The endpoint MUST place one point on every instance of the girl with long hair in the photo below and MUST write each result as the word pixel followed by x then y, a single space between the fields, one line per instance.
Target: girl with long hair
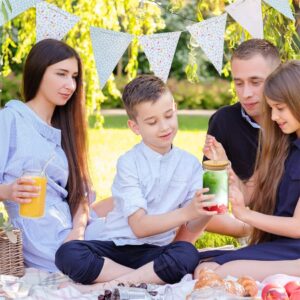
pixel 50 123
pixel 274 211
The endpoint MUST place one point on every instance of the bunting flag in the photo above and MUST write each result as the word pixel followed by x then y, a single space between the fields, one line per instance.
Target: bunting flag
pixel 249 15
pixel 159 49
pixel 108 46
pixel 18 6
pixel 52 22
pixel 282 6
pixel 209 34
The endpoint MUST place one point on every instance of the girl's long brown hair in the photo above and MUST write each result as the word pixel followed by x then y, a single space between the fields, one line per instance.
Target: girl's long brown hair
pixel 70 118
pixel 283 85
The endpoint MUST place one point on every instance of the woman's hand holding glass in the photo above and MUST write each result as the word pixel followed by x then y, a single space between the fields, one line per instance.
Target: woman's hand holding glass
pixel 22 190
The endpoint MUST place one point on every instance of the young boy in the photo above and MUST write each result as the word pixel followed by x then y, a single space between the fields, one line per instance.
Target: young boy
pixel 157 188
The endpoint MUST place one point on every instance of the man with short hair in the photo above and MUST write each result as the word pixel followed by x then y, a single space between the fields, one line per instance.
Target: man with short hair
pixel 234 129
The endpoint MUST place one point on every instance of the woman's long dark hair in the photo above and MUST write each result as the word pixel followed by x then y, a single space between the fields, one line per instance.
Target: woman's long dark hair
pixel 282 86
pixel 70 118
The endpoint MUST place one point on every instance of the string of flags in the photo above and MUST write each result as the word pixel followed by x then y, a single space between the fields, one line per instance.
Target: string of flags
pixel 53 22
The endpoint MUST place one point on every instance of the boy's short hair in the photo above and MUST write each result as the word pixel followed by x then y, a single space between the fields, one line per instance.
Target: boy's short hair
pixel 142 89
pixel 252 47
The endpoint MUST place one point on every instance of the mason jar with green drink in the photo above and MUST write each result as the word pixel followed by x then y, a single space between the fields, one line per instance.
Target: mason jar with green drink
pixel 215 177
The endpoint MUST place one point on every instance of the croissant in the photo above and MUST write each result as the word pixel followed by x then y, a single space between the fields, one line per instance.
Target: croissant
pixel 244 286
pixel 208 277
pixel 249 286
pixel 233 287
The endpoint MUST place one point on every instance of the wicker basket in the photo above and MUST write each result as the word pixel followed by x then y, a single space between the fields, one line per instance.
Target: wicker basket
pixel 11 255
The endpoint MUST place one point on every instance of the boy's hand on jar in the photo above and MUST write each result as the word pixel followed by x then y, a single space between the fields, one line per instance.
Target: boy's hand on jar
pixel 213 149
pixel 22 190
pixel 200 202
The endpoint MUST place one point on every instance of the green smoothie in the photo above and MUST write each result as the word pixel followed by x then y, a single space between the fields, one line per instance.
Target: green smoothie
pixel 215 178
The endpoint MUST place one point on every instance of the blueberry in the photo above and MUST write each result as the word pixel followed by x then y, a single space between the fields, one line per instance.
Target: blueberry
pixel 143 286
pixel 153 293
pixel 115 295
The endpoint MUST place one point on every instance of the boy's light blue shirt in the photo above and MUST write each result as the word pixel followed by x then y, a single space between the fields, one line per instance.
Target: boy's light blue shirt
pixel 151 181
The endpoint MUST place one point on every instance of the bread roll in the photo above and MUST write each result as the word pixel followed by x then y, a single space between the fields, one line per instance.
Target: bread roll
pixel 249 284
pixel 244 286
pixel 208 277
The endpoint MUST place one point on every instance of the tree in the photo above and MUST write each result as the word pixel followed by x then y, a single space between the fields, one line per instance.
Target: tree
pixel 118 15
pixel 137 18
pixel 5 8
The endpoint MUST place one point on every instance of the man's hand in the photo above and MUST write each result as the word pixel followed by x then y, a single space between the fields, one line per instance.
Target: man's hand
pixel 213 149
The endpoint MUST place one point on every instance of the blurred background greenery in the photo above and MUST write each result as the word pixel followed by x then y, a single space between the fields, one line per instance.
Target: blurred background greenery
pixel 193 80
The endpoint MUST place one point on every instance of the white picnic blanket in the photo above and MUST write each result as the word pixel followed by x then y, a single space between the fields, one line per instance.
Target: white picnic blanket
pixel 41 285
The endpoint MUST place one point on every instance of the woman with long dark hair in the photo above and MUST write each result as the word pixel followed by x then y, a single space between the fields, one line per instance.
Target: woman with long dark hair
pixel 50 123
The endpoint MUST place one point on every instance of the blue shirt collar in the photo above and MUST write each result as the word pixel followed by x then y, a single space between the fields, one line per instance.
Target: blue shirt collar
pixel 248 119
pixel 49 132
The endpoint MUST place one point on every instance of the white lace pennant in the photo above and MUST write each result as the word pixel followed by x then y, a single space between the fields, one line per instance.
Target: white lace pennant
pixel 108 46
pixel 159 49
pixel 282 6
pixel 18 6
pixel 249 15
pixel 53 22
pixel 209 34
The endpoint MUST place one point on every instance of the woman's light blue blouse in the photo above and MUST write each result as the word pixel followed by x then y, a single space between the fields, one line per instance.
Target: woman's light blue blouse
pixel 27 142
pixel 151 181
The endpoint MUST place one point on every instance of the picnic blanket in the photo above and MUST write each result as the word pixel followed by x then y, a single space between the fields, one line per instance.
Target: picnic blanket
pixel 41 285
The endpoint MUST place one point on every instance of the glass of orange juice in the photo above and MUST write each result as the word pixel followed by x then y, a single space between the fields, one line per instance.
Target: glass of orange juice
pixel 35 208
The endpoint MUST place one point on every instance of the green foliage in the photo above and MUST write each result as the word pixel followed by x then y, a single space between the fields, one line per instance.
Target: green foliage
pixel 5 8
pixel 19 36
pixel 208 95
pixel 7 228
pixel 186 122
pixel 205 95
pixel 130 16
pixel 215 240
pixel 10 88
pixel 278 29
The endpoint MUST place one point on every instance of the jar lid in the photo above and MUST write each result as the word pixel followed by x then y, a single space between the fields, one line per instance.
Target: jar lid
pixel 215 164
